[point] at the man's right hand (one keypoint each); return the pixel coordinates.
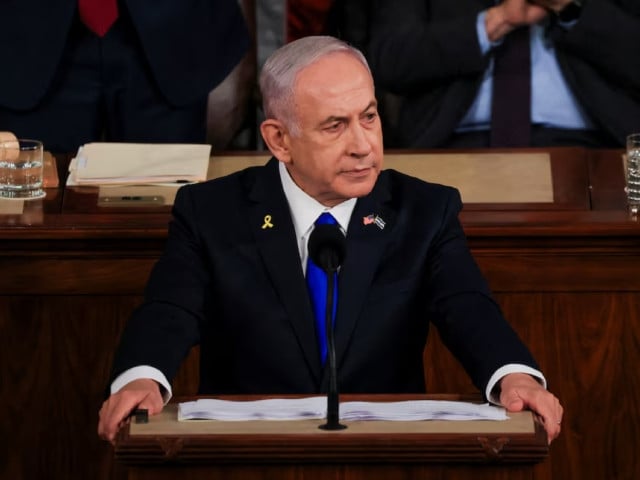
(143, 393)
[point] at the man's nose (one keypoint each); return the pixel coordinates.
(359, 142)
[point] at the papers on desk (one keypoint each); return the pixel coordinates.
(139, 163)
(316, 408)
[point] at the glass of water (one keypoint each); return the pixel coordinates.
(21, 170)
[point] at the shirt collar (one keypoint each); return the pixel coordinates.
(305, 209)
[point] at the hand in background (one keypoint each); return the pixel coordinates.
(511, 14)
(9, 146)
(142, 393)
(519, 391)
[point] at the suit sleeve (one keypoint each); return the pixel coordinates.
(163, 329)
(606, 37)
(408, 50)
(468, 319)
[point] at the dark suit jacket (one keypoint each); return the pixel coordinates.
(191, 45)
(427, 51)
(238, 290)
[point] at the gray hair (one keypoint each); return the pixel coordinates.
(278, 76)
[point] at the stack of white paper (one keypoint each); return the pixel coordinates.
(139, 163)
(316, 407)
(415, 410)
(268, 409)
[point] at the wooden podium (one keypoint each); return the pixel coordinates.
(165, 448)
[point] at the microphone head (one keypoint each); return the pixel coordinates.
(327, 247)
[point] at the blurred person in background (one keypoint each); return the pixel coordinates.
(132, 71)
(437, 57)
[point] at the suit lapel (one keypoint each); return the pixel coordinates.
(370, 229)
(275, 237)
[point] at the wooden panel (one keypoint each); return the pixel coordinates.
(607, 190)
(55, 362)
(585, 343)
(588, 345)
(335, 472)
(121, 275)
(55, 357)
(588, 271)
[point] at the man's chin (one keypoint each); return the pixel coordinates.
(359, 189)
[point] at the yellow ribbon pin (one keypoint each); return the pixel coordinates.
(267, 222)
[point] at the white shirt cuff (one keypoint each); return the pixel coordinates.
(143, 371)
(506, 370)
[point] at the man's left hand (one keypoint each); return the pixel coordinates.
(519, 391)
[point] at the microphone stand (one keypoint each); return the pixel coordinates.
(333, 400)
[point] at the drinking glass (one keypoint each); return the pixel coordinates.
(21, 169)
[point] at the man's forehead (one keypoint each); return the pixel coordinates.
(333, 76)
(341, 60)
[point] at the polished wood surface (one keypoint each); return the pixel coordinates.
(293, 449)
(565, 274)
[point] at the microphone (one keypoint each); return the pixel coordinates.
(327, 247)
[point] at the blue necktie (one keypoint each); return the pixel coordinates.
(317, 283)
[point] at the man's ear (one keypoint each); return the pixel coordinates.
(276, 136)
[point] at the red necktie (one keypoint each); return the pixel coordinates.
(98, 15)
(511, 105)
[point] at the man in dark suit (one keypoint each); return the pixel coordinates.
(437, 57)
(145, 80)
(232, 278)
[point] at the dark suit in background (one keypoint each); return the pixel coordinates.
(239, 291)
(147, 79)
(427, 52)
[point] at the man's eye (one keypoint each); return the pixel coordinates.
(370, 117)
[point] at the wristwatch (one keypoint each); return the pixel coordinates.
(572, 11)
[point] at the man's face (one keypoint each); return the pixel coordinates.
(337, 153)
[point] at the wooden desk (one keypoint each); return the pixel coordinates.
(166, 448)
(566, 277)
